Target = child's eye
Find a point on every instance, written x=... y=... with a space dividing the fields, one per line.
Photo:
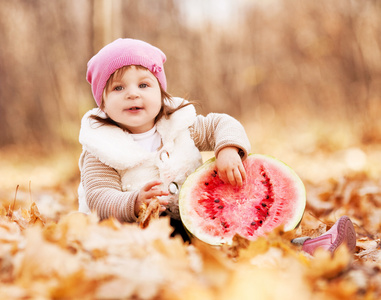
x=143 y=85
x=118 y=88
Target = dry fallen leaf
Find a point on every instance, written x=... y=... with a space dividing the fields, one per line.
x=148 y=212
x=325 y=266
x=80 y=257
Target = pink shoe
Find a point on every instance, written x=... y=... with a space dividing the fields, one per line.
x=341 y=232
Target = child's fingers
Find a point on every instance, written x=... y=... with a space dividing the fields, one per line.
x=235 y=176
x=239 y=174
x=231 y=177
x=238 y=177
x=242 y=171
x=222 y=175
x=150 y=191
x=148 y=186
x=155 y=193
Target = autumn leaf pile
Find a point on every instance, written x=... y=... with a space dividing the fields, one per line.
x=77 y=257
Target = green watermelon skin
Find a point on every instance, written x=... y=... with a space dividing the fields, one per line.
x=272 y=195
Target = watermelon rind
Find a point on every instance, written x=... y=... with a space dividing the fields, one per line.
x=185 y=205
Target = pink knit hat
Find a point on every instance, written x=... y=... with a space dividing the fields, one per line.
x=119 y=53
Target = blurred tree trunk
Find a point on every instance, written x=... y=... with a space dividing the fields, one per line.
x=41 y=59
x=106 y=22
x=319 y=58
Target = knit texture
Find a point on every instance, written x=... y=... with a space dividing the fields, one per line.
x=217 y=131
x=104 y=193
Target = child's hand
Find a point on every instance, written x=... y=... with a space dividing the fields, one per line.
x=149 y=192
x=229 y=166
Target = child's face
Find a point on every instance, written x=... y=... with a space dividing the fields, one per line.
x=133 y=99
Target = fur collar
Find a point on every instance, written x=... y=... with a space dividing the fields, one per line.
x=117 y=149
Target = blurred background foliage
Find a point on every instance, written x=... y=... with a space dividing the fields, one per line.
x=303 y=76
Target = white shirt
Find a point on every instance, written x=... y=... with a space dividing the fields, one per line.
x=150 y=140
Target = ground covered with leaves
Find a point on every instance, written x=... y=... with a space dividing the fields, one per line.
x=49 y=251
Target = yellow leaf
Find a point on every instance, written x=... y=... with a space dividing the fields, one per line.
x=324 y=265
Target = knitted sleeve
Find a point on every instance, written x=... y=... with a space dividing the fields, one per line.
x=216 y=131
x=103 y=190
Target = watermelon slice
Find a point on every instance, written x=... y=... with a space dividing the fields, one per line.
x=214 y=212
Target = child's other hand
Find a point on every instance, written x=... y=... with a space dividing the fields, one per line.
x=149 y=192
x=229 y=166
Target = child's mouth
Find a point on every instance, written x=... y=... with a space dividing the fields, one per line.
x=134 y=108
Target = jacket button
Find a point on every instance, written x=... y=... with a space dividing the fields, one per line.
x=173 y=188
x=164 y=155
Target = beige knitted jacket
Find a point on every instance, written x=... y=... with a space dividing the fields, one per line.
x=114 y=168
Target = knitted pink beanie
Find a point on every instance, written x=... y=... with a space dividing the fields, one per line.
x=119 y=53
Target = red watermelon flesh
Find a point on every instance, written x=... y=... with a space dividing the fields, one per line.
x=214 y=212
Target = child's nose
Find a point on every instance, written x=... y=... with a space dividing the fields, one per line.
x=132 y=93
x=132 y=96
